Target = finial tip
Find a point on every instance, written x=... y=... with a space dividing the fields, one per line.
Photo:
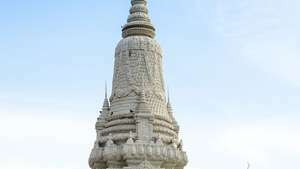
x=105 y=89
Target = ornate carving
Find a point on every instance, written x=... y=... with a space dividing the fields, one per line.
x=138 y=67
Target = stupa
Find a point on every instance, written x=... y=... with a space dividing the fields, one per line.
x=136 y=128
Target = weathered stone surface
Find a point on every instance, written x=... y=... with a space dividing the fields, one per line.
x=136 y=128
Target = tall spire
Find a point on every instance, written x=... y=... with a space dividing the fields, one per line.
x=168 y=95
x=169 y=106
x=138 y=22
x=170 y=110
x=105 y=89
x=105 y=102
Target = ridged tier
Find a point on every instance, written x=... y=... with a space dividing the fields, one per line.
x=133 y=153
x=138 y=22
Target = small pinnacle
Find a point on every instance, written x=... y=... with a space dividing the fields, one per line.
x=168 y=95
x=105 y=89
x=169 y=106
x=106 y=101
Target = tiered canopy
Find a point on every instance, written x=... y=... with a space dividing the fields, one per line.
x=138 y=22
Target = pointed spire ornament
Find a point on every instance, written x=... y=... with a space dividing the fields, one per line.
x=138 y=22
x=168 y=99
x=169 y=105
x=105 y=89
x=170 y=110
x=106 y=105
x=101 y=120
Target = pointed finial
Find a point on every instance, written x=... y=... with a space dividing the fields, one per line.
x=138 y=22
x=169 y=106
x=170 y=111
x=105 y=89
x=105 y=106
x=168 y=94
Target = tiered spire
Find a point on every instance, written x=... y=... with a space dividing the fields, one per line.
x=104 y=113
x=105 y=106
x=138 y=22
x=170 y=110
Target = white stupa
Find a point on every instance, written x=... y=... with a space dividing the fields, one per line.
x=136 y=128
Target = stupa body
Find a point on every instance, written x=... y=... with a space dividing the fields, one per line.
x=136 y=128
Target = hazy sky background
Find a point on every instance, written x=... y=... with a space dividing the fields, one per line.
x=232 y=67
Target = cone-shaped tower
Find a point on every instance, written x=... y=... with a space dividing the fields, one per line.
x=136 y=128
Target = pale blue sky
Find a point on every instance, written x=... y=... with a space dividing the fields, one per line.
x=232 y=67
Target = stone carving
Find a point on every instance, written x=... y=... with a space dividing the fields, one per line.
x=136 y=128
x=138 y=67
